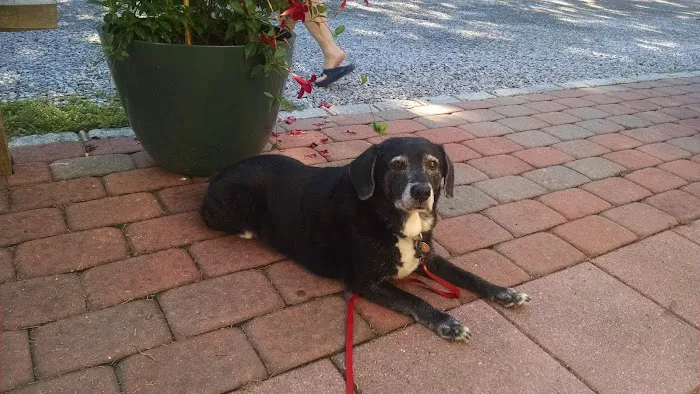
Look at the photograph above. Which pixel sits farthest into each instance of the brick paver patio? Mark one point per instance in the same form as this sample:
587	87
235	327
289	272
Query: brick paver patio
588	199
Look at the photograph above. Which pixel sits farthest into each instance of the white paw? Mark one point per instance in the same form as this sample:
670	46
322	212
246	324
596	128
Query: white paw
247	235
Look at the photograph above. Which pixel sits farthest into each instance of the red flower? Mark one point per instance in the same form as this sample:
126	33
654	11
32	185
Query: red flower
367	3
267	40
342	5
305	85
297	10
290	120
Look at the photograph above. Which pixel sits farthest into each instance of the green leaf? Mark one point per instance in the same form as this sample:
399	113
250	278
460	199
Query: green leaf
363	79
322	8
339	30
379	127
250	49
270	95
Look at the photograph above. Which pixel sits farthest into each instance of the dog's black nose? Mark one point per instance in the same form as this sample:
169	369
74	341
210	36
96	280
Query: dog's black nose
420	192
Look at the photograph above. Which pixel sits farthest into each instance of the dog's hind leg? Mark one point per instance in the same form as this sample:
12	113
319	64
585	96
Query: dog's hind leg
389	296
234	214
503	295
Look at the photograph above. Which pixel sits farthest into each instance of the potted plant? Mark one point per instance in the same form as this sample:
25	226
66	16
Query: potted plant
201	81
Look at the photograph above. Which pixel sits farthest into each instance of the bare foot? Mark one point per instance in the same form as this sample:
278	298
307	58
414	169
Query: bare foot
333	59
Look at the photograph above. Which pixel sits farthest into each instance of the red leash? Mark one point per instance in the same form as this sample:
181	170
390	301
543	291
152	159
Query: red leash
452	292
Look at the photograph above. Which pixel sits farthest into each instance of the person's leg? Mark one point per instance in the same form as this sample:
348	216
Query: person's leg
320	31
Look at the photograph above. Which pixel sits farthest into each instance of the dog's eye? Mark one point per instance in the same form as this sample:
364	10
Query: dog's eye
398	165
432	165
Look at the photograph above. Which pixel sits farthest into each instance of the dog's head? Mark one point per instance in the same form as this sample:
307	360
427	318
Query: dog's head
409	172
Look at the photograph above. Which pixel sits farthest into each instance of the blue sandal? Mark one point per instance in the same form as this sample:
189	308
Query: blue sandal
334	74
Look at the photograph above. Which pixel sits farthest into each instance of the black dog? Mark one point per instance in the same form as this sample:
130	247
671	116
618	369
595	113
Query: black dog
357	223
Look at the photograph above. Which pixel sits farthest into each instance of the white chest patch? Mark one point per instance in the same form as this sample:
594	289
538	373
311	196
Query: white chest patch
413	226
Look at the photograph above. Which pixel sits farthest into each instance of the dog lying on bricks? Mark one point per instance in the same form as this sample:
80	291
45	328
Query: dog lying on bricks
363	223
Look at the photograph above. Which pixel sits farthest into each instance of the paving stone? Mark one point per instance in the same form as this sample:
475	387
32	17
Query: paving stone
543	156
632	159
557	118
90	166
568	92
691	144
220	302
55	194
500	165
516	110
693	188
395	114
665	152
497	339
540	254
574	203
467	199
353	119
656	117
641	105
97	337
305	124
381	320
693	124
523	123
630	121
138	277
296	284
168	232
595	235
143	160
15	360
42	139
655	179
69	252
211	363
617	191
510	188
444	135
436	121
546	106
532	138
602	99
437	301
641	219
479	115
25	226
587	113
616	109
46	153
145	179
99	379
7	271
681	112
556	177
434	109
568	132
307	155
491	266
4	202
690	231
596	167
474	104
581	149
298	140
492	146
615	142
629	95
647	135
28	174
685	169
574	102
674	130
499	101
183	198
570	308
458	153
524	217
681	205
320	377
343	150
403	127
347	133
536	97
600	126
303	333
465	174
466	233
486	129
230	254
110	146
31	302
112	211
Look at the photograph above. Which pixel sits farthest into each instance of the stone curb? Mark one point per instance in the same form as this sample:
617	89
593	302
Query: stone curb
384	105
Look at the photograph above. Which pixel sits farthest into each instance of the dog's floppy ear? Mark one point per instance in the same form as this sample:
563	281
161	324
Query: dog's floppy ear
448	173
362	173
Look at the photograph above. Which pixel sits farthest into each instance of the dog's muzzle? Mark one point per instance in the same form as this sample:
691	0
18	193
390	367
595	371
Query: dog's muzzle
417	196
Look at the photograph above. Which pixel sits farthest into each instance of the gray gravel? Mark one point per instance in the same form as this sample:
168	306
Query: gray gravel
413	48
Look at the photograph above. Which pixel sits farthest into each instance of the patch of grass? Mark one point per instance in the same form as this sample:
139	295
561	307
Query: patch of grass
72	113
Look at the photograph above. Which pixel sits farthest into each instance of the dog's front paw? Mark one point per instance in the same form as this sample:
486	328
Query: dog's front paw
451	329
510	297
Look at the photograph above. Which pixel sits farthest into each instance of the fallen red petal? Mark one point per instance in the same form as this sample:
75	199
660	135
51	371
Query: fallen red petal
274	134
313	145
324	140
323	152
297	132
324	105
310	155
290	120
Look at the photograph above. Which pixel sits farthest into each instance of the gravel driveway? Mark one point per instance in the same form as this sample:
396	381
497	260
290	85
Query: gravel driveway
413	48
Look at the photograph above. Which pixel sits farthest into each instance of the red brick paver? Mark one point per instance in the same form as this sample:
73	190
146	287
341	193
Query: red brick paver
167	232
595	235
541	253
142	180
317	378
470	232
297	284
100	379
183	198
524	217
230	254
28	225
15	361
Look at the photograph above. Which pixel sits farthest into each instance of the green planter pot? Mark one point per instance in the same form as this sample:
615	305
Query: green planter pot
195	109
